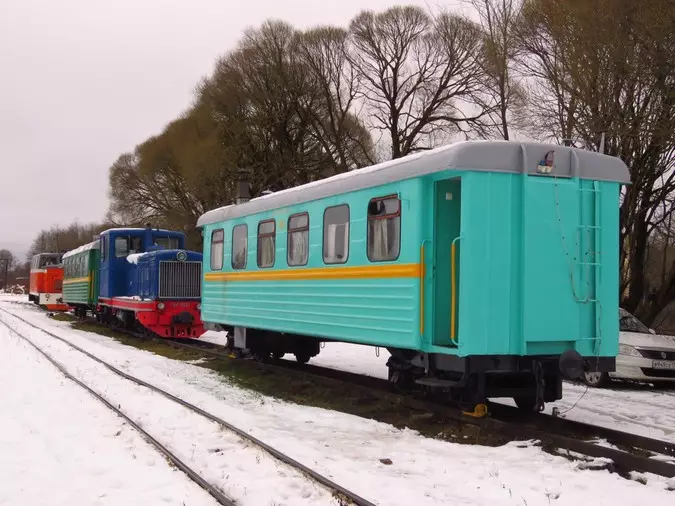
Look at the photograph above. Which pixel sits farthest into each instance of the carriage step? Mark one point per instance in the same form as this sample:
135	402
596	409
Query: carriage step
437	382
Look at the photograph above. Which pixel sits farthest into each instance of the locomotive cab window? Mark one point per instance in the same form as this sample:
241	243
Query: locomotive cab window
298	239
167	242
266	243
336	234
121	247
217	249
239	246
127	246
384	229
135	245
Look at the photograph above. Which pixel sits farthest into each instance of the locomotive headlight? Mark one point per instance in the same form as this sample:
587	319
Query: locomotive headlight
161	305
199	306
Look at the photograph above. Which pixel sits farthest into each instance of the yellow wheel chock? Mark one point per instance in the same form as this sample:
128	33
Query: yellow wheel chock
479	411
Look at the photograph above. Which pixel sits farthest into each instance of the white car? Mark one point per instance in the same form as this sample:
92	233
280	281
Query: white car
643	355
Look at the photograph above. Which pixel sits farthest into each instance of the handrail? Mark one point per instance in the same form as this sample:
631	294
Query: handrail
453	291
422	274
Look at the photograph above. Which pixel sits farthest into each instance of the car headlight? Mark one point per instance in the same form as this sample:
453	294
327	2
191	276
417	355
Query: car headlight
161	305
624	349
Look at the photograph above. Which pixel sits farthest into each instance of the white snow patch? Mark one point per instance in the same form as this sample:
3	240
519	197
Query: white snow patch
135	257
61	446
349	449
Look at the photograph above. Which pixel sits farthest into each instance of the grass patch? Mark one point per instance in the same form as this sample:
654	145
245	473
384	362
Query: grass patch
142	344
63	317
309	390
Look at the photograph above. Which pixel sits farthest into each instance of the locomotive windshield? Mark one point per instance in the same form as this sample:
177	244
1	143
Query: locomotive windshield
49	260
166	242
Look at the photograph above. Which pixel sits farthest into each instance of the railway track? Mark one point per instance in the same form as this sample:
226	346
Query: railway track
628	452
344	495
632	453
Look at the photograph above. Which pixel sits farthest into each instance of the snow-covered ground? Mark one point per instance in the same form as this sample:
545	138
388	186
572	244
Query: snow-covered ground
60	446
640	410
345	448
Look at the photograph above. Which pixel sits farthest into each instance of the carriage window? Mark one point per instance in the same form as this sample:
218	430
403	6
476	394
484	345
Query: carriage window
384	229
217	249
239	246
121	246
266	243
336	234
298	239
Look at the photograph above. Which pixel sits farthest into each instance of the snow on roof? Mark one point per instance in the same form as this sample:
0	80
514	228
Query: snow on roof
137	229
487	156
85	247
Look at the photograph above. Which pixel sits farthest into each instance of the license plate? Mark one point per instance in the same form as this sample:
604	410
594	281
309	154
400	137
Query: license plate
663	364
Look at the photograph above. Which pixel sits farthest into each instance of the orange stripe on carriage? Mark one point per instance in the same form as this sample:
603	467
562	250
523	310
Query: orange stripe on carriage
319	273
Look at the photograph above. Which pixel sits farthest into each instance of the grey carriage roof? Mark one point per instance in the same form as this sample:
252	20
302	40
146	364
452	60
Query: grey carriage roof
85	247
489	156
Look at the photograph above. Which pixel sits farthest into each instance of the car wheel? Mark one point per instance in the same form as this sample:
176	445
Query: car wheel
596	379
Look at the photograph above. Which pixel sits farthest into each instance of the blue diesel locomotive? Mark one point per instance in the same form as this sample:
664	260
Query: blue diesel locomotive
136	276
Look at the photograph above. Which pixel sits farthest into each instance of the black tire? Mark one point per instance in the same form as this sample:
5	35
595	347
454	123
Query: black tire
595	379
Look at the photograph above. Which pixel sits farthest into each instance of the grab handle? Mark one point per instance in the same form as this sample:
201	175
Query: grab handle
453	290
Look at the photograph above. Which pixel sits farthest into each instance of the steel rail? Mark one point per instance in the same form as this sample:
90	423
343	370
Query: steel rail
326	482
566	433
192	474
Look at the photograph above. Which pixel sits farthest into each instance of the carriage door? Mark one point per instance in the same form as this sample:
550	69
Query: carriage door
446	260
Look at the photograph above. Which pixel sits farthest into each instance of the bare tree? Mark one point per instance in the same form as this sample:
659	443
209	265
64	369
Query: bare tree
498	19
6	263
324	53
419	74
605	67
63	238
275	99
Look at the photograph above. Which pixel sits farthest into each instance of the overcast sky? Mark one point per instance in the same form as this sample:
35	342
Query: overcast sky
82	81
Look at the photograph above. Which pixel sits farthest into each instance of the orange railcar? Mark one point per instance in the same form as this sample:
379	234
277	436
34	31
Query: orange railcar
46	281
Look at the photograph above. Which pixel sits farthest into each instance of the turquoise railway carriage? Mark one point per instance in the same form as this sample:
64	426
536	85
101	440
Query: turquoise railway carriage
487	268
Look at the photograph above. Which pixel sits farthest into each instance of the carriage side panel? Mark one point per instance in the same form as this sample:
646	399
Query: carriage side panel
374	303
